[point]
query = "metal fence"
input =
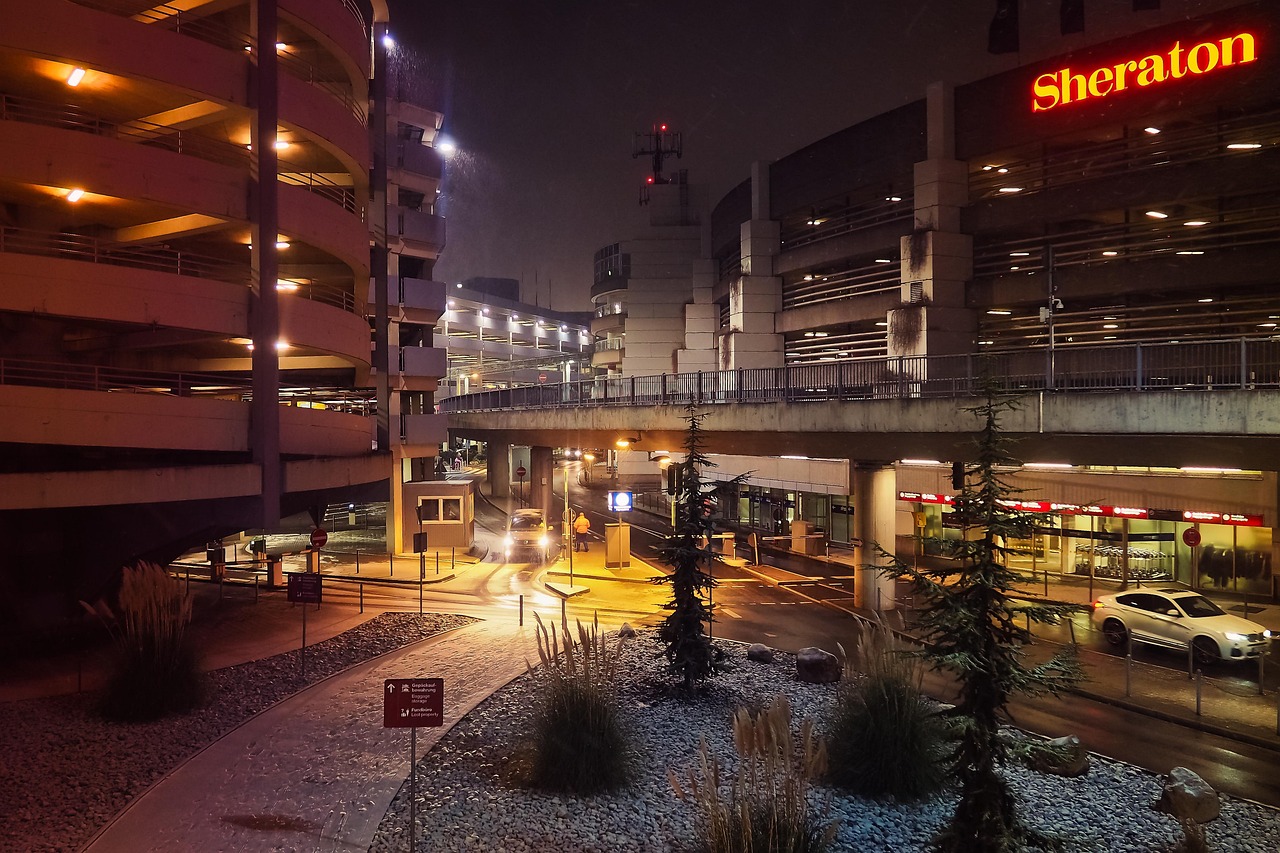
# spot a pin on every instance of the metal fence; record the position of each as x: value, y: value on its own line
x: 1244, y: 363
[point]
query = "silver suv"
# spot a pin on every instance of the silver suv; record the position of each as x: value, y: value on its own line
x: 1178, y: 619
x: 527, y: 535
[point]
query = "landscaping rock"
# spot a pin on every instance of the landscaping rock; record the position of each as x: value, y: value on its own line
x: 1186, y: 795
x: 626, y: 631
x: 1061, y: 756
x: 760, y: 653
x: 816, y: 666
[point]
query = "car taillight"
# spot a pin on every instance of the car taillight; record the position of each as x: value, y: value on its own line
x: 1097, y: 604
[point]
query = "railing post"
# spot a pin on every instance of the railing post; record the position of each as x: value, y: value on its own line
x: 664, y: 389
x: 786, y: 383
x: 1137, y: 379
x: 737, y: 381
x: 902, y: 376
x: 633, y: 391
x: 1244, y: 364
x: 698, y: 397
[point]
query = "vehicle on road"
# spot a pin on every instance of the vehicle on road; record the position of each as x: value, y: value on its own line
x: 527, y: 536
x: 1179, y: 619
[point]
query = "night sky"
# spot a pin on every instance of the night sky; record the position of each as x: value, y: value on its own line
x: 543, y: 97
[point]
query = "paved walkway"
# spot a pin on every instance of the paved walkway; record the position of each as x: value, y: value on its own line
x: 318, y: 771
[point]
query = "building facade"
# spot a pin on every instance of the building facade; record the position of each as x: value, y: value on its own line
x: 185, y: 255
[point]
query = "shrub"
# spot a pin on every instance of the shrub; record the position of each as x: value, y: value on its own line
x: 767, y: 809
x: 155, y: 667
x: 884, y: 738
x: 578, y: 744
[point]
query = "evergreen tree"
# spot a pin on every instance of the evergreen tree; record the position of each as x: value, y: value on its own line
x: 972, y: 627
x: 688, y: 552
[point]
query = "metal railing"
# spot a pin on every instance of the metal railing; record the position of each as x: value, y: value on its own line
x: 800, y: 229
x: 1244, y: 363
x: 81, y: 248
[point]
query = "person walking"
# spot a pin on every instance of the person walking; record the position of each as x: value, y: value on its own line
x: 581, y: 525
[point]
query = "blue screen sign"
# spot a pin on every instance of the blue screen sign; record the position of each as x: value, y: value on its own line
x: 619, y: 502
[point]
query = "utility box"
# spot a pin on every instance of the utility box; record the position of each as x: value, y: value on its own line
x: 617, y: 545
x: 803, y: 539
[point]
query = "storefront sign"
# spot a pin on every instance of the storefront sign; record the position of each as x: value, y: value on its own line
x: 1061, y: 87
x: 1101, y: 510
x: 1223, y: 518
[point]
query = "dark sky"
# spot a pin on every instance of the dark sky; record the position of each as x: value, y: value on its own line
x: 543, y: 97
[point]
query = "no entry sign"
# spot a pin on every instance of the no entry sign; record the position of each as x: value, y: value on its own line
x: 319, y: 537
x: 520, y: 472
x: 412, y: 702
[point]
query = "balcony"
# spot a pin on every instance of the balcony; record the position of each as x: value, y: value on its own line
x: 417, y: 233
x: 412, y: 300
x: 612, y: 321
x: 418, y: 368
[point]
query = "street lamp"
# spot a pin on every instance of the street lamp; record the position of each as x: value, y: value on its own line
x: 568, y: 523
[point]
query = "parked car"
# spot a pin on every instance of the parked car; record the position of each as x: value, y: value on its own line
x: 1179, y: 619
x: 527, y: 535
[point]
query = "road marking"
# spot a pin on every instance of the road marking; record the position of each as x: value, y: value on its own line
x: 729, y: 612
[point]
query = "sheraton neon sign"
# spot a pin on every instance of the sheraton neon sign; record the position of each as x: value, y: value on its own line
x: 1065, y: 86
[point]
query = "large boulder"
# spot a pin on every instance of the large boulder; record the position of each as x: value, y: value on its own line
x: 1186, y: 795
x: 1061, y: 756
x: 815, y: 666
x: 626, y: 631
x: 760, y: 653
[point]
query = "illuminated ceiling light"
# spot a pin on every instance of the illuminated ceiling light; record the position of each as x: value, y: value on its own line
x: 248, y: 48
x: 387, y: 41
x: 1152, y: 130
x: 1198, y: 470
x: 1111, y: 253
x: 1048, y: 465
x: 1196, y: 223
x: 1244, y: 146
x: 1011, y: 189
x: 282, y: 244
x: 484, y: 311
x: 74, y: 78
x: 1000, y: 312
x: 282, y: 144
x: 985, y: 343
x: 919, y: 462
x: 459, y: 285
x: 282, y: 346
x: 1015, y: 268
x: 882, y: 323
x: 816, y: 221
x: 75, y: 195
x: 1206, y: 299
x: 893, y: 198
x: 1002, y: 171
x: 515, y: 317
x: 1110, y: 326
x: 1191, y: 252
x: 1108, y: 337
x: 987, y: 168
x: 564, y: 328
x: 1266, y: 325
x: 1019, y: 254
x: 281, y: 46
x: 884, y: 260
x: 1156, y: 214
x: 285, y: 286
x: 808, y: 278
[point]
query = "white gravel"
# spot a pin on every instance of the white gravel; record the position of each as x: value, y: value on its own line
x: 64, y: 772
x: 467, y: 801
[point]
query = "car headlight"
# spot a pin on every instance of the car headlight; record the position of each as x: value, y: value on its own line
x: 1236, y: 638
x: 1268, y: 634
x: 542, y: 542
x: 509, y: 541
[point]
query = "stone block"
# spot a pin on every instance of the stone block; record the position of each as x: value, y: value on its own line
x: 817, y: 666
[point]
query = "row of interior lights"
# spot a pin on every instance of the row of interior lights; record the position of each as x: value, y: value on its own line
x: 818, y: 220
x: 516, y: 317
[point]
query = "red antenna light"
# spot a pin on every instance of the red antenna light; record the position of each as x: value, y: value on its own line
x: 649, y: 179
x: 662, y: 128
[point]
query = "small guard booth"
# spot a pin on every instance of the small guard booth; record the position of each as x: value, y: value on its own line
x: 444, y: 510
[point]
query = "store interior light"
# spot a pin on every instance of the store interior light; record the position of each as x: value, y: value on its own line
x: 74, y: 78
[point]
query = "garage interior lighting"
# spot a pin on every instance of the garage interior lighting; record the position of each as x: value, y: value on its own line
x: 74, y: 78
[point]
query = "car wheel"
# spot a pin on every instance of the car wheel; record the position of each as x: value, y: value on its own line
x: 1205, y: 650
x: 1115, y: 632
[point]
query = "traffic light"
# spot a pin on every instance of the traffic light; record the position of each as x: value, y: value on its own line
x: 957, y: 477
x: 673, y: 480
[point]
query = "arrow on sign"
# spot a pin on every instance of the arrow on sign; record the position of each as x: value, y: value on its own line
x: 391, y: 688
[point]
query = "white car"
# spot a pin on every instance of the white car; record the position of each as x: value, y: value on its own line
x: 1179, y: 619
x: 527, y: 534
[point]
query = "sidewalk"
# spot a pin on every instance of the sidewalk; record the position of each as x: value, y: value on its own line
x: 317, y: 771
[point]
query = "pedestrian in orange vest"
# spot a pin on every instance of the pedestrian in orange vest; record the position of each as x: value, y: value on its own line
x: 581, y: 525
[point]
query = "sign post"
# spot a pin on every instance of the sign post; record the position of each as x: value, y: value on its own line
x: 409, y: 703
x: 305, y: 588
x: 520, y: 472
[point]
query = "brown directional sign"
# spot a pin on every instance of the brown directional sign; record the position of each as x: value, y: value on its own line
x: 304, y: 588
x: 410, y: 702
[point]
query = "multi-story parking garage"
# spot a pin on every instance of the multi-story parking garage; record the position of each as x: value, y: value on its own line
x: 185, y: 306
x: 1105, y: 213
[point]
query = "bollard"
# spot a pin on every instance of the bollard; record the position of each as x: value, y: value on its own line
x: 1071, y: 626
x: 255, y: 589
x: 420, y: 583
x: 1046, y: 583
x: 1199, y: 681
x: 357, y: 561
x: 1128, y: 667
x: 564, y: 617
x: 1262, y: 675
x: 361, y: 596
x: 392, y: 563
x: 437, y: 562
x: 522, y: 610
x: 1191, y: 661
x: 452, y: 558
x: 878, y: 604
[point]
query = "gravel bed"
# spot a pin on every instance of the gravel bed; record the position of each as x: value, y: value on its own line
x: 467, y: 801
x: 65, y: 772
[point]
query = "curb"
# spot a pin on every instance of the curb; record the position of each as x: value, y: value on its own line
x: 1198, y: 725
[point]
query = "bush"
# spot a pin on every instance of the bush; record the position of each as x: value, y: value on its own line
x: 884, y: 738
x: 155, y: 667
x: 767, y: 810
x: 578, y: 742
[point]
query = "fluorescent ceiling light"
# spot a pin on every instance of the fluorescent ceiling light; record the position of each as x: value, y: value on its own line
x: 1196, y: 223
x: 1152, y: 130
x: 74, y: 78
x: 1156, y: 214
x: 75, y: 195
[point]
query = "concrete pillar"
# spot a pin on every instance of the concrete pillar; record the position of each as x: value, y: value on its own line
x: 755, y: 298
x: 701, y: 319
x: 541, y: 476
x: 875, y: 496
x: 937, y: 258
x: 498, y: 455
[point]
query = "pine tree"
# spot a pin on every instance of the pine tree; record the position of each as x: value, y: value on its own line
x: 688, y: 552
x: 973, y: 628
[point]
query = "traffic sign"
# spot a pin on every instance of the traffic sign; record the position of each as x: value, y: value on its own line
x: 319, y: 537
x: 412, y: 702
x: 520, y: 472
x: 1191, y: 537
x: 304, y: 588
x: 620, y: 501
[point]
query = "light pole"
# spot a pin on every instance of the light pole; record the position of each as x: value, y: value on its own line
x: 568, y: 522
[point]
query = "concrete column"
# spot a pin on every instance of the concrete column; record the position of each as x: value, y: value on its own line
x: 755, y: 298
x: 541, y: 476
x: 875, y: 496
x: 937, y: 258
x: 499, y: 464
x: 701, y: 321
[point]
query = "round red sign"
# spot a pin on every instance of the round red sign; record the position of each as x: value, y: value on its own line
x: 318, y: 538
x: 1191, y: 536
x: 520, y: 472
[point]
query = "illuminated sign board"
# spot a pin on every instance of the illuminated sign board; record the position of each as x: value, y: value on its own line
x: 1237, y: 519
x: 1065, y: 86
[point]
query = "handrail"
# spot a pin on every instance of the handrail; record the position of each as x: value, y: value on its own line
x: 1243, y: 363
